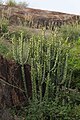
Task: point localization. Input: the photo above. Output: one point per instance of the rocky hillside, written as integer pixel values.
(36, 18)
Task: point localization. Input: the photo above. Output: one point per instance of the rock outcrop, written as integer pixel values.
(36, 18)
(11, 83)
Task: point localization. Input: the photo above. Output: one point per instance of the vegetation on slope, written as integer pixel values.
(55, 70)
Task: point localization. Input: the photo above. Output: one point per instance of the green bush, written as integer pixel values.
(11, 3)
(3, 26)
(3, 49)
(70, 32)
(49, 110)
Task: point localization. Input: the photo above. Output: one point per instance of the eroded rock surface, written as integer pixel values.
(11, 83)
(36, 18)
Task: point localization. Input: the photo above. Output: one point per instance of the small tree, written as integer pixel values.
(23, 4)
(11, 3)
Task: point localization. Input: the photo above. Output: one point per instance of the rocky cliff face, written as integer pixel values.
(36, 18)
(11, 84)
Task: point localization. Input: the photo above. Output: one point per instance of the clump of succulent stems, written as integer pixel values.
(48, 59)
(20, 54)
